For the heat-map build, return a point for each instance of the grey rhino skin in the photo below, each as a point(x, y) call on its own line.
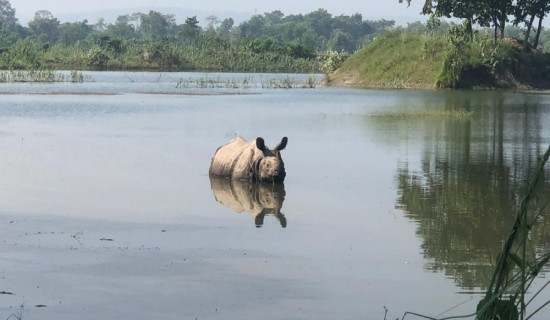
point(258, 199)
point(250, 161)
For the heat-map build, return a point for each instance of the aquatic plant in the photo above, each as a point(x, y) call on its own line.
point(40, 75)
point(286, 82)
point(206, 82)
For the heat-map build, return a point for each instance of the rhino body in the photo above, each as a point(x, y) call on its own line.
point(258, 199)
point(251, 161)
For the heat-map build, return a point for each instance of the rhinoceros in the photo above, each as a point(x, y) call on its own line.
point(252, 161)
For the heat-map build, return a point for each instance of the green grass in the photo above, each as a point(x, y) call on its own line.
point(401, 60)
point(398, 60)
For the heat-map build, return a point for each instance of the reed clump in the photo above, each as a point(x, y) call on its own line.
point(40, 75)
point(284, 82)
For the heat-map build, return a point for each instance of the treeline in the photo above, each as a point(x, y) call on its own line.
point(495, 14)
point(269, 42)
point(443, 28)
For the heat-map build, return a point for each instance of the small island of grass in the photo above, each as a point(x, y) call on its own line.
point(402, 60)
point(504, 52)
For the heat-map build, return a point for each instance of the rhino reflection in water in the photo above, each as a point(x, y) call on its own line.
point(259, 199)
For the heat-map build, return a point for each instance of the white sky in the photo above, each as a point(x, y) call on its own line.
point(370, 9)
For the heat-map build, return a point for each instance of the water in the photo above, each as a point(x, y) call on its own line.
point(108, 210)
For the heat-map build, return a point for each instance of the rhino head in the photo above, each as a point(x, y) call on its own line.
point(271, 167)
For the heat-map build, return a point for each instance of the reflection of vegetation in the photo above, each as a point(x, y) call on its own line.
point(518, 264)
point(465, 194)
point(455, 113)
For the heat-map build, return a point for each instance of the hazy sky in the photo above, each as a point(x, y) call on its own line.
point(370, 9)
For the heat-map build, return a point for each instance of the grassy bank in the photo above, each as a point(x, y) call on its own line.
point(404, 60)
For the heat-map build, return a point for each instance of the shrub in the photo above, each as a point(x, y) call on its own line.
point(98, 58)
point(333, 61)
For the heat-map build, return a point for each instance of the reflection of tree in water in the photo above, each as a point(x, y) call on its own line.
point(464, 197)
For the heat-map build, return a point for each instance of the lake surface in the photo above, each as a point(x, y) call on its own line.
point(107, 210)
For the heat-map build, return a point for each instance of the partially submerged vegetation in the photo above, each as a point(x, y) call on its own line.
point(283, 82)
point(40, 75)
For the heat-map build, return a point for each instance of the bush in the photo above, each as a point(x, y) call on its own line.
point(468, 58)
point(24, 54)
point(333, 61)
point(98, 58)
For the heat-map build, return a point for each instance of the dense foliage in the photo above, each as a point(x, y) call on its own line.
point(269, 42)
point(495, 14)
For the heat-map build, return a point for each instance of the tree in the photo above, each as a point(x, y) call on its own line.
point(495, 13)
point(544, 10)
point(211, 22)
point(303, 34)
point(9, 27)
point(462, 9)
point(341, 41)
point(487, 13)
point(100, 25)
point(274, 17)
point(45, 26)
point(8, 21)
point(320, 20)
point(225, 27)
point(156, 25)
point(253, 28)
point(122, 28)
point(527, 11)
point(190, 30)
point(69, 33)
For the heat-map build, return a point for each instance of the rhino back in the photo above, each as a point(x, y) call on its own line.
point(226, 156)
point(246, 166)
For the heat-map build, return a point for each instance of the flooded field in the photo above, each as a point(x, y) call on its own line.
point(107, 210)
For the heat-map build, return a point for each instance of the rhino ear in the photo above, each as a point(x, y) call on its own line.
point(282, 144)
point(260, 143)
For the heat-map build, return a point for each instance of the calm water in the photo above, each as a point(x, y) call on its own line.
point(403, 213)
